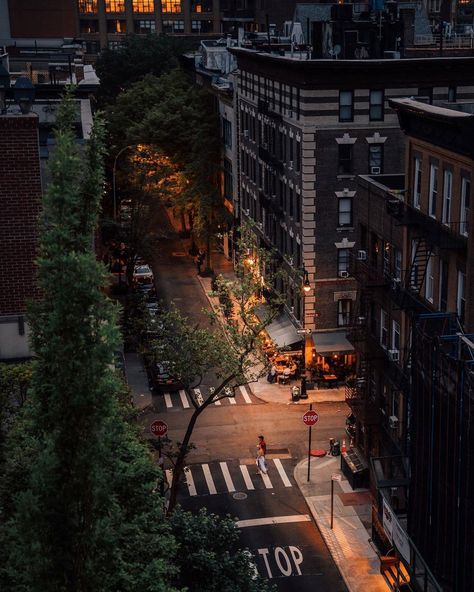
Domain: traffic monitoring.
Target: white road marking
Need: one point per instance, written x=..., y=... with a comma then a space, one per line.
x=232, y=401
x=274, y=520
x=190, y=481
x=168, y=401
x=211, y=391
x=281, y=470
x=229, y=392
x=266, y=480
x=184, y=399
x=169, y=476
x=199, y=399
x=227, y=477
x=245, y=395
x=246, y=475
x=209, y=480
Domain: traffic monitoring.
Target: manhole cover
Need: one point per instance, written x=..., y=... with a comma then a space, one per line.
x=240, y=495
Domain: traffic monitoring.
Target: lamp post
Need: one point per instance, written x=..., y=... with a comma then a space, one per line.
x=306, y=289
x=113, y=176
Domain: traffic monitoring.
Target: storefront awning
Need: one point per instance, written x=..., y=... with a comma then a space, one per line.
x=281, y=330
x=332, y=343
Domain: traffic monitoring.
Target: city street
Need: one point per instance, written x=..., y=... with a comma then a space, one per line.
x=275, y=522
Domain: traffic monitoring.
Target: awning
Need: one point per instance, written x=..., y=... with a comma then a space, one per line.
x=281, y=330
x=327, y=343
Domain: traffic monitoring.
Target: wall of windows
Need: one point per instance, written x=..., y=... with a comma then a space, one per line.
x=115, y=5
x=143, y=5
x=87, y=6
x=171, y=6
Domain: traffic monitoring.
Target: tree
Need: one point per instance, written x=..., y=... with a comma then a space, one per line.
x=232, y=357
x=137, y=56
x=80, y=513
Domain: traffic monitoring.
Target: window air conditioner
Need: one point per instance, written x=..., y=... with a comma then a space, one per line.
x=393, y=421
x=393, y=355
x=343, y=274
x=375, y=170
x=246, y=133
x=361, y=255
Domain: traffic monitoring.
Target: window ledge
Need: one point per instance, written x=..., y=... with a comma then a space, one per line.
x=345, y=229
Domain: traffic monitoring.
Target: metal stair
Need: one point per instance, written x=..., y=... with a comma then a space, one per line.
x=415, y=276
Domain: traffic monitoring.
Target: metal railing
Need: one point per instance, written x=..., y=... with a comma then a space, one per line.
x=453, y=41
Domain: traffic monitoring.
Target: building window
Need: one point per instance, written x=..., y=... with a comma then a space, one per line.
x=397, y=263
x=342, y=262
x=346, y=105
x=173, y=26
x=344, y=312
x=114, y=45
x=429, y=281
x=87, y=6
x=345, y=159
x=228, y=184
x=298, y=156
x=115, y=5
x=376, y=104
x=344, y=212
x=383, y=328
x=461, y=296
x=452, y=92
x=395, y=335
x=375, y=159
x=143, y=5
x=144, y=26
x=417, y=183
x=447, y=193
x=465, y=205
x=89, y=26
x=201, y=5
x=434, y=5
x=433, y=190
x=443, y=285
x=116, y=26
x=227, y=133
x=196, y=26
x=170, y=5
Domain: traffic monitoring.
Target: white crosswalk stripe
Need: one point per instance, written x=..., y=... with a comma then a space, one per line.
x=198, y=395
x=168, y=400
x=245, y=395
x=184, y=399
x=229, y=392
x=228, y=477
x=211, y=390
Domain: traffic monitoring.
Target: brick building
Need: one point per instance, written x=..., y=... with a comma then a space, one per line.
x=413, y=392
x=20, y=200
x=307, y=128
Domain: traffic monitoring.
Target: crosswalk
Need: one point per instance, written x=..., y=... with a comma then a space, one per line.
x=231, y=476
x=181, y=400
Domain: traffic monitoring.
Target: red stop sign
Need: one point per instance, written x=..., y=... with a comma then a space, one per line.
x=159, y=427
x=311, y=417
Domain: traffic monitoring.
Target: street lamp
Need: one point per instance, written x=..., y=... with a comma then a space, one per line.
x=306, y=288
x=113, y=176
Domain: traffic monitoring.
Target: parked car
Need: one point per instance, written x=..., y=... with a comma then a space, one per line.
x=162, y=380
x=143, y=274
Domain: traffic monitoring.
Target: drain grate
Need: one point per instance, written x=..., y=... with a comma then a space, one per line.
x=240, y=495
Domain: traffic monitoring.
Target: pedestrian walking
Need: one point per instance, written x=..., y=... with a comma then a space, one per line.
x=200, y=260
x=272, y=374
x=262, y=444
x=261, y=462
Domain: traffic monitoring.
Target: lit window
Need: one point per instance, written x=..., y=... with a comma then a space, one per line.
x=376, y=105
x=196, y=7
x=87, y=6
x=447, y=192
x=145, y=26
x=346, y=105
x=115, y=5
x=344, y=310
x=465, y=205
x=143, y=5
x=433, y=190
x=344, y=212
x=116, y=26
x=171, y=6
x=417, y=183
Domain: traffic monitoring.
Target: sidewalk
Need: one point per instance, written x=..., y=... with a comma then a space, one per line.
x=137, y=381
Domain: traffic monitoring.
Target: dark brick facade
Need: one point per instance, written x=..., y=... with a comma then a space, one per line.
x=20, y=203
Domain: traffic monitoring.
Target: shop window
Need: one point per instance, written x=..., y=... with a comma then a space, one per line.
x=344, y=312
x=346, y=105
x=171, y=6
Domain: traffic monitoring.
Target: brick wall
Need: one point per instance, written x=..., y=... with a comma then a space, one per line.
x=20, y=202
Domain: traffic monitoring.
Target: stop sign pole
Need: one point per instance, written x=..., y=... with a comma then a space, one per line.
x=310, y=418
x=160, y=428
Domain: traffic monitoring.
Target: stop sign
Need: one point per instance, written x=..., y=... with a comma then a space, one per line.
x=310, y=418
x=159, y=427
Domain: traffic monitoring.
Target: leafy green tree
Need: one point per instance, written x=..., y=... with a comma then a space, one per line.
x=81, y=512
x=210, y=557
x=229, y=357
x=137, y=56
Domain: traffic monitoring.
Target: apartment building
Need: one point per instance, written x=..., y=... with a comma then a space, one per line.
x=413, y=392
x=307, y=128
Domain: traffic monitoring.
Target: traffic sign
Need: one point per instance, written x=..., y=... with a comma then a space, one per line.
x=159, y=427
x=310, y=417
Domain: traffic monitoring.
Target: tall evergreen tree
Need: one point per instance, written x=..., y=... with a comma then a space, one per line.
x=82, y=514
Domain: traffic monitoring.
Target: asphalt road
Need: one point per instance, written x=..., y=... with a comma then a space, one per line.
x=271, y=512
